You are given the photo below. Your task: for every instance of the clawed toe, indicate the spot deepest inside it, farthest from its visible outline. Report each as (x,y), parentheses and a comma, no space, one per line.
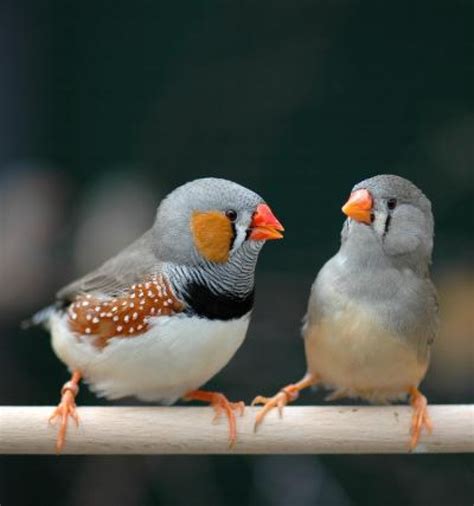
(420,418)
(280,400)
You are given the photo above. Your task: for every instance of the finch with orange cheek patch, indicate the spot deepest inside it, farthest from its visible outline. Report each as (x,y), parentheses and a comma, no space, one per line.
(373,312)
(166,314)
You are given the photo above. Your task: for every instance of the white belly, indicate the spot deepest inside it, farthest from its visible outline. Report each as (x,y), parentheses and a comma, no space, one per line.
(356,356)
(179,354)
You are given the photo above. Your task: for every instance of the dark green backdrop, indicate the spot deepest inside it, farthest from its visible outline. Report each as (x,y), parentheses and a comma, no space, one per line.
(297,100)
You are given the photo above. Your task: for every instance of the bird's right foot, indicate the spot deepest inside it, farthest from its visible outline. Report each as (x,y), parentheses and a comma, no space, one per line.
(420,418)
(65,409)
(282,398)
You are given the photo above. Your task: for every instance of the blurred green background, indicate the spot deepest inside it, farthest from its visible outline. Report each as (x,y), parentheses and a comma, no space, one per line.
(107,106)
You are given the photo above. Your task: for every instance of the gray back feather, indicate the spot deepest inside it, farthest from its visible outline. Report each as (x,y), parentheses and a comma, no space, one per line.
(130,266)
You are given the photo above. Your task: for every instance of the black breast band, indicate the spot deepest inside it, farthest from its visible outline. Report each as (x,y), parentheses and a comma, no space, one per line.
(201,301)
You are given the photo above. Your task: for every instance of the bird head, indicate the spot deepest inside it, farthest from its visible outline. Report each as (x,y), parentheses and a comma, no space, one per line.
(392,210)
(211,220)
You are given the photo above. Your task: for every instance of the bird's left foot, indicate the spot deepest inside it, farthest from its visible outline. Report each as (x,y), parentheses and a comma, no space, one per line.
(221,405)
(420,418)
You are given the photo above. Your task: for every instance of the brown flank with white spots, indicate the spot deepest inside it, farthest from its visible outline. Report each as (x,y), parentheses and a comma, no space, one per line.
(124,316)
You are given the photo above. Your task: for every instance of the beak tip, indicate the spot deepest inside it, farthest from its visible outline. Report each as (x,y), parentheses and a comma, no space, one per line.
(265,225)
(359,206)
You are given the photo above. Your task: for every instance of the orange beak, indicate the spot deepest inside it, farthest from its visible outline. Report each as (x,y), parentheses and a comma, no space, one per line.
(359,206)
(264,225)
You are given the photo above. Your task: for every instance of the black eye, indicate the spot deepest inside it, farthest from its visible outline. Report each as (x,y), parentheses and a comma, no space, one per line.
(392,203)
(231,214)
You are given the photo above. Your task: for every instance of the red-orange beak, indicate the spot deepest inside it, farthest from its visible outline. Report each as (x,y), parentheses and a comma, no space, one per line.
(264,225)
(359,206)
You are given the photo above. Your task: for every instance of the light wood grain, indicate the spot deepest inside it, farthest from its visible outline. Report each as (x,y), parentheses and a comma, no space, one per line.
(189,430)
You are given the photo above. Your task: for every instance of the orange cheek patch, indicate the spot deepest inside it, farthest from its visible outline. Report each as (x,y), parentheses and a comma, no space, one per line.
(212,233)
(124,316)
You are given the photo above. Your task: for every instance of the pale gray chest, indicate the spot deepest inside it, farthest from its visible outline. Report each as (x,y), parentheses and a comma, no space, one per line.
(397,298)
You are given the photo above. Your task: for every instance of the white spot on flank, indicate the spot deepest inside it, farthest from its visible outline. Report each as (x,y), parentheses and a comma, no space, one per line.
(131,330)
(95,320)
(135,316)
(119,328)
(126,318)
(102,315)
(114,309)
(132,296)
(88,317)
(85,303)
(116,318)
(139,327)
(88,330)
(97,309)
(131,304)
(152,310)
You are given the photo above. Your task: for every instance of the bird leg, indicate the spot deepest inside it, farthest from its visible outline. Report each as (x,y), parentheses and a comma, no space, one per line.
(66,408)
(221,404)
(282,398)
(420,417)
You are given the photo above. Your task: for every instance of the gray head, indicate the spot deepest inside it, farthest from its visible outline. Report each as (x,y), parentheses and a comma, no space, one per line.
(390,213)
(210,220)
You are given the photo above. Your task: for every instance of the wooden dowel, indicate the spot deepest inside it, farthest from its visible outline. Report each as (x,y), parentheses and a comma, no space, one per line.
(189,430)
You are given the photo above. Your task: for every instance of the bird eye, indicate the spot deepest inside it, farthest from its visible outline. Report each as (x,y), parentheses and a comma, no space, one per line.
(392,203)
(231,214)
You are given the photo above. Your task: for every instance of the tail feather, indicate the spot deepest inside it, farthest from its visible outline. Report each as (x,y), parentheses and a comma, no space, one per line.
(41,317)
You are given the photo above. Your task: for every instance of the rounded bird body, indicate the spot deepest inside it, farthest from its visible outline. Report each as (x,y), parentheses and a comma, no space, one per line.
(177,355)
(369,342)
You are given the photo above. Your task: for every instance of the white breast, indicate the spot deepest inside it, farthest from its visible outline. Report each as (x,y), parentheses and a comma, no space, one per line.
(177,355)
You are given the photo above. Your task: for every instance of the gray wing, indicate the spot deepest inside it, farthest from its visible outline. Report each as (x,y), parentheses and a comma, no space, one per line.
(432,321)
(130,266)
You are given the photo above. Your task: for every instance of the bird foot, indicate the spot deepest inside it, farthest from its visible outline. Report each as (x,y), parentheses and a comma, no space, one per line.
(65,409)
(280,400)
(420,418)
(221,405)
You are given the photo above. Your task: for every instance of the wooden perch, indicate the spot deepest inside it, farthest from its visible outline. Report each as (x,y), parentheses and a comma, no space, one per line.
(189,430)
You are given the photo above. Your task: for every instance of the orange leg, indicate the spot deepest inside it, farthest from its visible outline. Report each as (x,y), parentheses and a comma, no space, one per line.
(282,398)
(221,404)
(420,417)
(66,408)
